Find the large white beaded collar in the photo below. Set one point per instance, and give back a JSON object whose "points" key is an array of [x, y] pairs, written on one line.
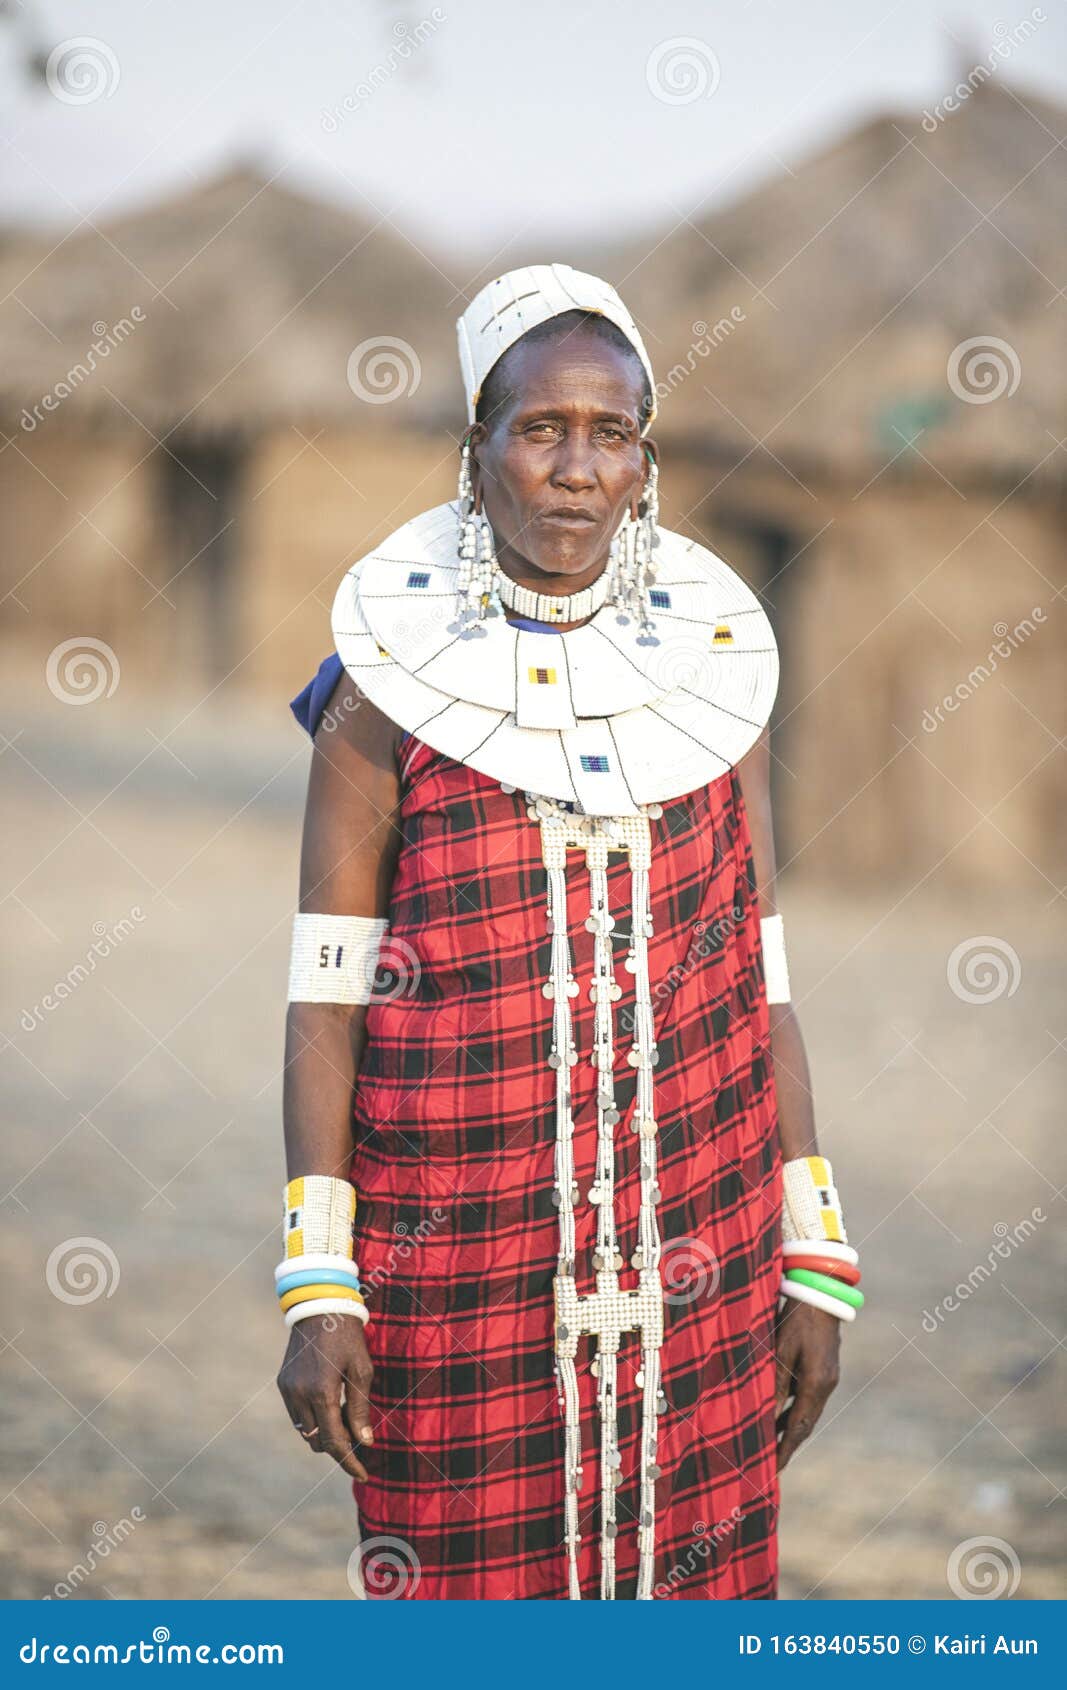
{"points": [[604, 717]]}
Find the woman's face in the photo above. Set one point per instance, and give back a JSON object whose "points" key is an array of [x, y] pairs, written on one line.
{"points": [[556, 469]]}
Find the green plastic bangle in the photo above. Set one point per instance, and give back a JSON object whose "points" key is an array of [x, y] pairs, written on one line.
{"points": [[831, 1287]]}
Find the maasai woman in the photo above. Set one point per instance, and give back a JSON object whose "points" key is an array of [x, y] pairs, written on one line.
{"points": [[541, 1065]]}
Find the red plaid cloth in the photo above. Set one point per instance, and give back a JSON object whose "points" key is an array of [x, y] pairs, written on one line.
{"points": [[456, 1232]]}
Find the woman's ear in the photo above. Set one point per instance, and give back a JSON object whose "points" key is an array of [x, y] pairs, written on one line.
{"points": [[649, 456], [473, 438]]}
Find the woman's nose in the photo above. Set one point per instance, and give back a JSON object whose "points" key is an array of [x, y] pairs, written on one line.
{"points": [[574, 464]]}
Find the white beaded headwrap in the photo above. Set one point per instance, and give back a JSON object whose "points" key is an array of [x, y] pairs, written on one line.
{"points": [[506, 308], [500, 315]]}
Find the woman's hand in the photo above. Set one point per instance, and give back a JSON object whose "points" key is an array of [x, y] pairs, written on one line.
{"points": [[325, 1384], [807, 1344]]}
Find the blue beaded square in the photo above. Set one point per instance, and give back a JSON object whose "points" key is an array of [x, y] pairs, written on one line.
{"points": [[659, 598], [419, 578], [594, 765]]}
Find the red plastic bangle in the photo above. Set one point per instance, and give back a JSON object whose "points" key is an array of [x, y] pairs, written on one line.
{"points": [[825, 1264]]}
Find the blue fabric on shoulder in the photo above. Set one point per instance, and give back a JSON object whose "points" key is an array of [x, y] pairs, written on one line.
{"points": [[309, 705]]}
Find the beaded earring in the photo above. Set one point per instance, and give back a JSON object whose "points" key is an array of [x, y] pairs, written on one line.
{"points": [[478, 567], [633, 564]]}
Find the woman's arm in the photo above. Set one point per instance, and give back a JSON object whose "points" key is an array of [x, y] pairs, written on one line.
{"points": [[348, 857], [808, 1340]]}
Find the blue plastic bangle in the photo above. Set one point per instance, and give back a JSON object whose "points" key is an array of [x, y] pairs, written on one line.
{"points": [[316, 1276]]}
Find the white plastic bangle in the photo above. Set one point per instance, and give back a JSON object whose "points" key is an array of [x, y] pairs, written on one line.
{"points": [[318, 1261], [327, 1305], [821, 1247], [334, 957], [775, 971], [817, 1299]]}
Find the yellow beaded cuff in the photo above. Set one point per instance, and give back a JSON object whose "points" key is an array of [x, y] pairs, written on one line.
{"points": [[319, 1213], [811, 1207]]}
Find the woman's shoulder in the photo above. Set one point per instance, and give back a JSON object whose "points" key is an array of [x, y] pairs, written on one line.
{"points": [[309, 705], [311, 701]]}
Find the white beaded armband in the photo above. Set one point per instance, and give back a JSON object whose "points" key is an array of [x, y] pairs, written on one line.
{"points": [[775, 972], [334, 957]]}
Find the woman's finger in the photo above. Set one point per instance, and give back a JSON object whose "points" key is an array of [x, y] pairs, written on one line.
{"points": [[335, 1440], [357, 1406]]}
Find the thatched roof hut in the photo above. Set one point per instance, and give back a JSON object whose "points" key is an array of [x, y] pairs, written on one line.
{"points": [[229, 309], [830, 303]]}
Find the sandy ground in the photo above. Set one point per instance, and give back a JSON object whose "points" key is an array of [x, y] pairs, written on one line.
{"points": [[143, 1111]]}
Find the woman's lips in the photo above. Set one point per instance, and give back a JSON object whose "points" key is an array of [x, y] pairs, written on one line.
{"points": [[566, 519]]}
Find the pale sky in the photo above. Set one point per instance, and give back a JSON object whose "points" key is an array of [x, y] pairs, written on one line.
{"points": [[503, 117]]}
